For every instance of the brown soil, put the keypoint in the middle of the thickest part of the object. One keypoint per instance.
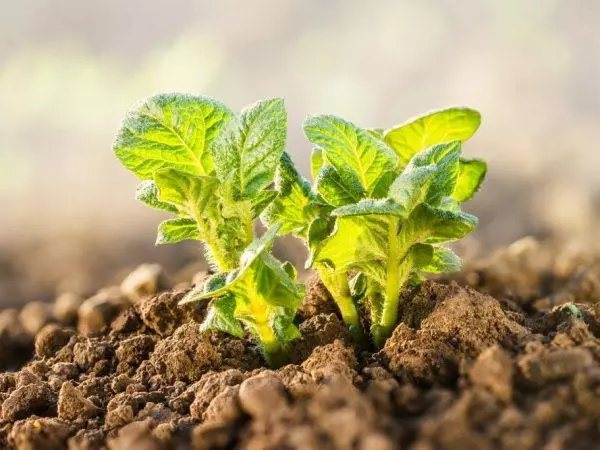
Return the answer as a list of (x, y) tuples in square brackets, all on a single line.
[(508, 357)]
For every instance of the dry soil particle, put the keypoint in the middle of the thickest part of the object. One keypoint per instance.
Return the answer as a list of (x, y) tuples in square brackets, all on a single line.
[(28, 400), (163, 314), (185, 355)]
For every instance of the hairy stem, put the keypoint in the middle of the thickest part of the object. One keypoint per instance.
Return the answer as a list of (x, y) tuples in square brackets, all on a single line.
[(389, 314), (337, 285), (274, 352)]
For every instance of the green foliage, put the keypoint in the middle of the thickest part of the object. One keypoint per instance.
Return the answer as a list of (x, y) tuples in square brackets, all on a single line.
[(261, 293), (382, 207), (207, 165), (450, 124), (213, 169), (388, 202)]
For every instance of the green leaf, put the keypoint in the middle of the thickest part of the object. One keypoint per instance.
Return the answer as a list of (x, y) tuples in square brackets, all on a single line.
[(347, 146), (443, 260), (147, 193), (319, 229), (248, 150), (356, 242), (433, 225), (421, 254), (290, 270), (412, 186), (294, 207), (265, 293), (376, 132), (189, 193), (215, 282), (284, 327), (450, 204), (358, 285), (446, 159), (262, 200), (382, 186), (451, 124), (170, 131), (383, 207), (177, 230), (317, 162), (339, 186), (471, 175), (221, 317)]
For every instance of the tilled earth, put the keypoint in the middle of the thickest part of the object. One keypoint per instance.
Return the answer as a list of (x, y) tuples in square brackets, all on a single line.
[(505, 356)]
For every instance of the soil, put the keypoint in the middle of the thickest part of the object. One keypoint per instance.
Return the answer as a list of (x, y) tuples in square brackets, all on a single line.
[(505, 356)]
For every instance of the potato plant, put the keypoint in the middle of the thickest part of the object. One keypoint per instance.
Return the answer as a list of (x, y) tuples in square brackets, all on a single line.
[(212, 169), (382, 207)]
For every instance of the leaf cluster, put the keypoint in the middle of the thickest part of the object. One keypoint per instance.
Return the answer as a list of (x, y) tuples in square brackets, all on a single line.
[(381, 209)]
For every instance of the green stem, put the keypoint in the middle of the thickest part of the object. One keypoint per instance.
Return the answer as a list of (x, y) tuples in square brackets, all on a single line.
[(225, 256), (337, 285), (389, 314), (274, 352)]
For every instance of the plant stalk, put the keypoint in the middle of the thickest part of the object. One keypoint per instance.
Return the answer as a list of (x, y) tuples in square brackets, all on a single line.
[(337, 285), (389, 314), (274, 352)]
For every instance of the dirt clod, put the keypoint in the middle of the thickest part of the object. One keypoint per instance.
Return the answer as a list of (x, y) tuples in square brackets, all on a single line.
[(31, 399), (51, 339), (97, 312), (163, 314), (147, 279), (72, 405), (185, 355), (263, 395), (493, 370)]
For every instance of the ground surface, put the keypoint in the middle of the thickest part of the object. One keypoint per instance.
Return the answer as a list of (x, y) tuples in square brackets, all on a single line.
[(507, 356)]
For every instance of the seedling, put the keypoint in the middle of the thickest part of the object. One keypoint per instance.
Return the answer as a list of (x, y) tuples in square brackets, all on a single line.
[(381, 208), (212, 169)]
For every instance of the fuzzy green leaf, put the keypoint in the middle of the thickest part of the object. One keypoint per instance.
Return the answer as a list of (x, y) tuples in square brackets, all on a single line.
[(471, 175), (265, 293), (293, 207), (358, 285), (357, 242), (284, 327), (383, 207), (319, 229), (382, 186), (411, 188), (177, 230), (451, 124), (449, 204), (189, 193), (317, 162), (147, 193), (445, 157), (221, 317), (339, 186), (443, 260), (433, 225), (170, 131), (262, 200), (248, 150), (347, 146)]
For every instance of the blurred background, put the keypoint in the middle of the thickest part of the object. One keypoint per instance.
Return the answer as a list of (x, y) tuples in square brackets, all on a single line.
[(69, 70)]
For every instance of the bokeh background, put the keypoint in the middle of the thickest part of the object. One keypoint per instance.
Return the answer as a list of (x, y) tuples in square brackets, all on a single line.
[(69, 70)]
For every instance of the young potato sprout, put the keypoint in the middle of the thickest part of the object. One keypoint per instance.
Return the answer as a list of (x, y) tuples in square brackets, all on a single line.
[(213, 169), (381, 209), (382, 206)]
